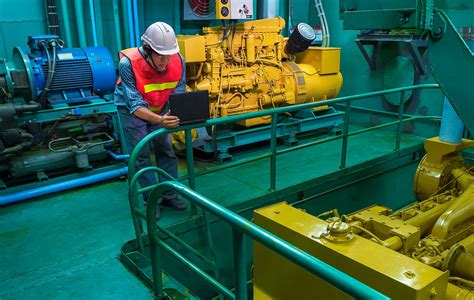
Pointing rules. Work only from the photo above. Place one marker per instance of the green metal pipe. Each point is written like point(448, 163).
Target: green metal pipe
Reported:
point(190, 163)
point(315, 266)
point(214, 283)
point(99, 24)
point(67, 25)
point(134, 205)
point(185, 245)
point(240, 270)
point(126, 23)
point(93, 23)
point(229, 165)
point(400, 123)
point(177, 16)
point(210, 241)
point(345, 135)
point(81, 28)
point(154, 251)
point(299, 147)
point(262, 113)
point(118, 37)
point(375, 111)
point(273, 149)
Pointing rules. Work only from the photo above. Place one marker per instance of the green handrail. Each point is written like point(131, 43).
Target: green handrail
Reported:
point(238, 248)
point(241, 227)
point(274, 112)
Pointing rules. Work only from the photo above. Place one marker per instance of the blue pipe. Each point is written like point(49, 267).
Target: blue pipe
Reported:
point(62, 186)
point(130, 24)
point(118, 156)
point(94, 29)
point(135, 19)
point(452, 127)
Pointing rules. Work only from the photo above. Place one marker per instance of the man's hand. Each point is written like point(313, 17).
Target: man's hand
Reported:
point(169, 121)
point(166, 121)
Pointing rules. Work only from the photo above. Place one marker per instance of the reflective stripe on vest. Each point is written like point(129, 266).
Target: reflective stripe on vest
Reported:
point(160, 86)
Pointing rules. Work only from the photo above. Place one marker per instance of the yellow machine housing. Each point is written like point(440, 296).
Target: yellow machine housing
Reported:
point(425, 251)
point(247, 69)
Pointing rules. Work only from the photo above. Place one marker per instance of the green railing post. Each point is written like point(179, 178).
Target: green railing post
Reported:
point(154, 254)
point(190, 164)
point(345, 134)
point(210, 242)
point(400, 122)
point(273, 146)
point(240, 268)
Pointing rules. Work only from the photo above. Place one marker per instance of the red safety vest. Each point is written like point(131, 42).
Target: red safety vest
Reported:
point(155, 87)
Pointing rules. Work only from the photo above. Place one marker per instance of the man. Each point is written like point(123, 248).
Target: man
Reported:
point(148, 75)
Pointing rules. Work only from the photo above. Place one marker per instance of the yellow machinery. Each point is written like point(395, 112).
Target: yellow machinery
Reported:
point(425, 251)
point(246, 68)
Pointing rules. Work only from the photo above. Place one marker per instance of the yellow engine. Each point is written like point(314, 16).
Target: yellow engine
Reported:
point(425, 251)
point(245, 68)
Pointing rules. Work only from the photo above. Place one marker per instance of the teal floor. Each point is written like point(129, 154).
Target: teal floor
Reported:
point(66, 246)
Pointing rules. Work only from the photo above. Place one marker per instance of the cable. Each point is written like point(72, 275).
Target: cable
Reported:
point(451, 181)
point(234, 27)
point(369, 233)
point(51, 69)
point(225, 35)
point(324, 25)
point(466, 282)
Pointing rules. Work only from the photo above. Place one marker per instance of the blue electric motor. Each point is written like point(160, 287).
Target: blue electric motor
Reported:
point(51, 74)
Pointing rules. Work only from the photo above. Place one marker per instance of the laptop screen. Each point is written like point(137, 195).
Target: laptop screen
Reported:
point(190, 107)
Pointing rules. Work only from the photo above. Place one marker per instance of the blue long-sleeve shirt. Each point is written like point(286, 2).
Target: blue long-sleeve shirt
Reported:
point(126, 93)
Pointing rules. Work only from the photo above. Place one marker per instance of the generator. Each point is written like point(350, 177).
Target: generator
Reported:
point(55, 118)
point(250, 66)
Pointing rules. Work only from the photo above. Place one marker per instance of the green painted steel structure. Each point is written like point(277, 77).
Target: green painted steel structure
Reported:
point(451, 60)
point(152, 227)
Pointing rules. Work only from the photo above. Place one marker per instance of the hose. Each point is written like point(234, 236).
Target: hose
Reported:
point(234, 27)
point(27, 141)
point(51, 70)
point(324, 25)
point(225, 35)
point(12, 150)
point(31, 106)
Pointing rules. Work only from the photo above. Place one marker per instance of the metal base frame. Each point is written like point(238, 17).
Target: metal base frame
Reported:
point(287, 129)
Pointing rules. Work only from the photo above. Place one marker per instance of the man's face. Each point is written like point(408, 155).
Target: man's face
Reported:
point(160, 61)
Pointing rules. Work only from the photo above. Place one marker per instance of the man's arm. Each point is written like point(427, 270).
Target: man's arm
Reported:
point(181, 87)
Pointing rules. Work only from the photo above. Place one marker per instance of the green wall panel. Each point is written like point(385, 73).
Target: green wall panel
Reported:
point(358, 78)
point(18, 19)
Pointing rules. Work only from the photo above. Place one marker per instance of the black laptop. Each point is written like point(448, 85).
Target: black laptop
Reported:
point(190, 107)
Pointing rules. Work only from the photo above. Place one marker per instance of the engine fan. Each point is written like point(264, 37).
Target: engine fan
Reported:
point(199, 9)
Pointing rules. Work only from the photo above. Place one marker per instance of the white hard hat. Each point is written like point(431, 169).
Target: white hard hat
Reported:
point(161, 38)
